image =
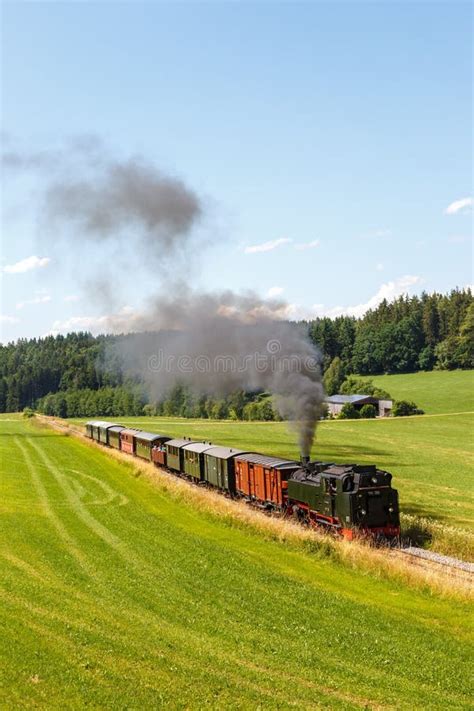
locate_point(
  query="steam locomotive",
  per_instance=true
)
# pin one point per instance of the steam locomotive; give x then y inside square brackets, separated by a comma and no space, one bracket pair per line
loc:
[348,499]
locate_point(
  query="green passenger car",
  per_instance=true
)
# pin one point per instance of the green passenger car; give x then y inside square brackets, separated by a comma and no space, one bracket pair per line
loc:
[103,429]
[193,459]
[174,453]
[97,429]
[219,467]
[113,435]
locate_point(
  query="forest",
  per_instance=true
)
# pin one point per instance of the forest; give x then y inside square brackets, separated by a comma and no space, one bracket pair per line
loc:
[66,375]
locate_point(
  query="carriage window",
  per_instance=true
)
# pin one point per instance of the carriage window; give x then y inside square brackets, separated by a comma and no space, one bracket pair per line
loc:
[330,486]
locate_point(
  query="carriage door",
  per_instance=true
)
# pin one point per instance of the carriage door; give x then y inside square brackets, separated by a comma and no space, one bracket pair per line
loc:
[251,480]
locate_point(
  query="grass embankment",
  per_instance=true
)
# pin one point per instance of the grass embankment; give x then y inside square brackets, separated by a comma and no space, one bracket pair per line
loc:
[116,593]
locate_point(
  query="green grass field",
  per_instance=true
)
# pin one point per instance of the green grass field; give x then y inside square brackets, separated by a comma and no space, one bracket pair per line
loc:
[117,594]
[435,392]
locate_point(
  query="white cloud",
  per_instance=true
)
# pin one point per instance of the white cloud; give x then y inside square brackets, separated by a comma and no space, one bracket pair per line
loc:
[8,319]
[26,265]
[116,323]
[40,299]
[80,323]
[72,297]
[389,291]
[379,267]
[462,204]
[275,291]
[308,245]
[267,246]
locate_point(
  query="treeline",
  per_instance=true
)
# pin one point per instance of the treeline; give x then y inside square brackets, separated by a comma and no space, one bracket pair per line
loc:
[32,368]
[104,402]
[403,336]
[123,401]
[409,334]
[238,406]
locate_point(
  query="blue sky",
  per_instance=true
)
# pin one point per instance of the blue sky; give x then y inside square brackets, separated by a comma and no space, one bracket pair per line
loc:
[328,141]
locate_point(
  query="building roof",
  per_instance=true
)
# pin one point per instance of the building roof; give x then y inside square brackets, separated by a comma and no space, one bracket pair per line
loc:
[150,436]
[342,399]
[266,461]
[223,452]
[197,446]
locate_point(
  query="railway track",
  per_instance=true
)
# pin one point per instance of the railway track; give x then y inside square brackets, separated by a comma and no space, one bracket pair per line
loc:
[430,560]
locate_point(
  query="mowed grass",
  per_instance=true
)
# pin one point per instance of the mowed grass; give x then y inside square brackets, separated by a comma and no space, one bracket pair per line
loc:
[438,391]
[430,457]
[116,594]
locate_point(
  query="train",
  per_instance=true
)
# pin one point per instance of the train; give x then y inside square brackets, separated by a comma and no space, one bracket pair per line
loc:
[350,500]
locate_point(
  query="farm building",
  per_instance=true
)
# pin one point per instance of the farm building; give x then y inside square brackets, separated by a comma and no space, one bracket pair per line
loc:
[335,403]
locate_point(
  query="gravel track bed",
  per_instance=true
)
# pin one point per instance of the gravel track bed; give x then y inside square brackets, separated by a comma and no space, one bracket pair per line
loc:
[441,559]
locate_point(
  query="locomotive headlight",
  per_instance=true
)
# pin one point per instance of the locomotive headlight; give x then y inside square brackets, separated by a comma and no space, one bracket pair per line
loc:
[374,480]
[363,512]
[390,509]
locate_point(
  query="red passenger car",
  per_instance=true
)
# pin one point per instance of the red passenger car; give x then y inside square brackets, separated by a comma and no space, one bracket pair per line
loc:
[262,478]
[158,455]
[127,441]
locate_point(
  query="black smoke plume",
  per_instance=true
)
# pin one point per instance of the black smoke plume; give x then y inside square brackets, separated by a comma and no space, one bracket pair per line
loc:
[88,193]
[218,343]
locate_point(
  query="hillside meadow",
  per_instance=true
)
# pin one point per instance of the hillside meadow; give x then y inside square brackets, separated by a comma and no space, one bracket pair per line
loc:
[117,593]
[437,391]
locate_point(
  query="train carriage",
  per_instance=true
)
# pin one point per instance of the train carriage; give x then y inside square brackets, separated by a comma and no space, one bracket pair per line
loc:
[219,468]
[174,453]
[158,454]
[193,459]
[127,441]
[90,429]
[97,430]
[262,478]
[113,436]
[145,441]
[103,431]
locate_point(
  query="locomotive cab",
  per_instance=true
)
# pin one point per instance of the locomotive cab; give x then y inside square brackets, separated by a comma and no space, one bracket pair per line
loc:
[345,498]
[374,504]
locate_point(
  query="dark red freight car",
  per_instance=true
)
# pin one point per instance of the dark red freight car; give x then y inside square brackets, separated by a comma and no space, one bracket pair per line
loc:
[262,478]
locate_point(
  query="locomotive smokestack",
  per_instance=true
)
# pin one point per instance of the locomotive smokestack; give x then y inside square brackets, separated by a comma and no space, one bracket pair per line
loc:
[304,461]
